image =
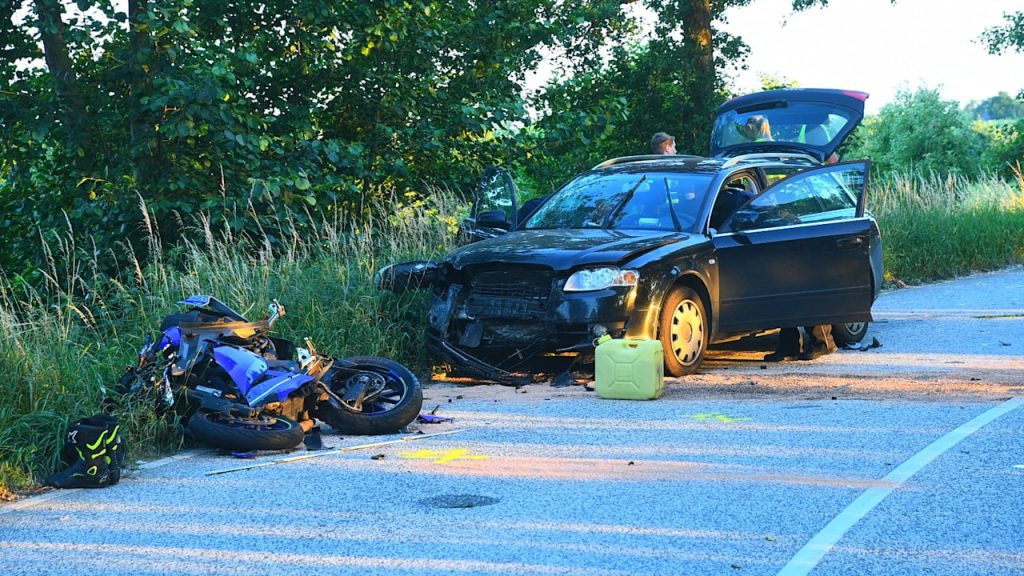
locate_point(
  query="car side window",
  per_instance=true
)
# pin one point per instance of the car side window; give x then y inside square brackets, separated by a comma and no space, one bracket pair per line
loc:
[822,195]
[735,192]
[773,174]
[495,195]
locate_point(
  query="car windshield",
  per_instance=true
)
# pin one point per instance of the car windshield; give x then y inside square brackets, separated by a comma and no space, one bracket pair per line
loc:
[625,200]
[796,123]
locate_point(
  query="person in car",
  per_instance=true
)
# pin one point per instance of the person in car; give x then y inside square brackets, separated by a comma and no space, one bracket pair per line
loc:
[757,129]
[662,143]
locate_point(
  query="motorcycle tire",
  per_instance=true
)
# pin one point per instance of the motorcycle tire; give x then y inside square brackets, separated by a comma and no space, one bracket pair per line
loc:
[241,434]
[403,400]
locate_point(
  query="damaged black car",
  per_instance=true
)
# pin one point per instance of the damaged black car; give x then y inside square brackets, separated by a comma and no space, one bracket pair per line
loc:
[689,250]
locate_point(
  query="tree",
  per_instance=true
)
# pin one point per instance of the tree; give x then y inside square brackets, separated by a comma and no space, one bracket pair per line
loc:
[920,132]
[1007,37]
[999,107]
[243,107]
[668,81]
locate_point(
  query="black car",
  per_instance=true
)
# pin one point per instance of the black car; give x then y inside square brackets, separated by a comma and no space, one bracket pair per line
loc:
[690,250]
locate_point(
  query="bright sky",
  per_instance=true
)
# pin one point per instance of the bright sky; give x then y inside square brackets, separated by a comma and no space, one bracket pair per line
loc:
[878,47]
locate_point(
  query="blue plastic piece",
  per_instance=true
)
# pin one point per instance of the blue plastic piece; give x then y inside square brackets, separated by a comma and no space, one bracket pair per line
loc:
[243,366]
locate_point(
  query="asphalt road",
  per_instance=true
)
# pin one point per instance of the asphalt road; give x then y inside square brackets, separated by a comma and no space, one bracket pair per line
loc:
[902,459]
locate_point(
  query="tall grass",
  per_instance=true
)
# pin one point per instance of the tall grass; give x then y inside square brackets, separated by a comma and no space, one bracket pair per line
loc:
[934,228]
[64,345]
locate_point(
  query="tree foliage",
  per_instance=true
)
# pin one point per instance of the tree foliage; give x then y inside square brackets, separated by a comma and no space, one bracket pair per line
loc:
[672,80]
[1006,37]
[238,106]
[919,131]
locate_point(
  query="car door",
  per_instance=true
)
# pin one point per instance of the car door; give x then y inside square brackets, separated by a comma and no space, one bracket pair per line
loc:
[799,253]
[495,206]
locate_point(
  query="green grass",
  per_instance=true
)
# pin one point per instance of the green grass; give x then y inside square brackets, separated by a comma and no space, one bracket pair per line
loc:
[934,228]
[62,345]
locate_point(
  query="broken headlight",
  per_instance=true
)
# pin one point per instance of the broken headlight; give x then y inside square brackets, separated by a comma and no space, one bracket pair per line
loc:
[600,278]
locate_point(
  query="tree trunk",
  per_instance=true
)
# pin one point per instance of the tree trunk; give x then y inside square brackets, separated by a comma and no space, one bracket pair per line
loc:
[140,125]
[58,62]
[704,83]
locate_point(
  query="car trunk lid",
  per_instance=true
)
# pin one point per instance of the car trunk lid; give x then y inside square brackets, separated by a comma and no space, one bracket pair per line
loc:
[809,121]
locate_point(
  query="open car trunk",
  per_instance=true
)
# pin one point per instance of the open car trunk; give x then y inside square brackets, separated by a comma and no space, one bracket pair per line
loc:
[807,121]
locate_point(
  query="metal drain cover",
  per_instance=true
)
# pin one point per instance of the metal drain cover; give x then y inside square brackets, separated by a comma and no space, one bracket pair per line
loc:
[459,501]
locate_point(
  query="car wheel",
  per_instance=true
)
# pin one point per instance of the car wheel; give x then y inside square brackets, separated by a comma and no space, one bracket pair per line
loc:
[850,333]
[683,331]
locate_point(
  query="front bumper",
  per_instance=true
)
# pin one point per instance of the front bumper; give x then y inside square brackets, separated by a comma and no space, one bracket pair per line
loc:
[490,327]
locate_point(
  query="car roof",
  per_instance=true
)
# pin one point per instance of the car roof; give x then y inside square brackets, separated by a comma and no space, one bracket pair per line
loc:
[701,164]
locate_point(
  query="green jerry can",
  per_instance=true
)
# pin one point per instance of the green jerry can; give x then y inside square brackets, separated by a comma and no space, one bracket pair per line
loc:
[629,369]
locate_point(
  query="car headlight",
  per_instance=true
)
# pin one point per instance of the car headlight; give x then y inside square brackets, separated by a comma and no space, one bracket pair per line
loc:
[600,278]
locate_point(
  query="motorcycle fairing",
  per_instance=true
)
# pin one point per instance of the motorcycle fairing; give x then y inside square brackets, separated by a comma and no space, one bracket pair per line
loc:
[243,366]
[282,384]
[171,337]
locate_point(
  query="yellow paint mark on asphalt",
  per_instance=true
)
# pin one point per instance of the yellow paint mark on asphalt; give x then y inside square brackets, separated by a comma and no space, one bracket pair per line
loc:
[717,416]
[443,456]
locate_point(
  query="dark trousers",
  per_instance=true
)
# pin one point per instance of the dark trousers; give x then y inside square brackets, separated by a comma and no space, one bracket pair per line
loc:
[806,340]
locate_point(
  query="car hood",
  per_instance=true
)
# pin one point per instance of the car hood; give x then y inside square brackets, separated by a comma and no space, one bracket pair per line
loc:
[564,249]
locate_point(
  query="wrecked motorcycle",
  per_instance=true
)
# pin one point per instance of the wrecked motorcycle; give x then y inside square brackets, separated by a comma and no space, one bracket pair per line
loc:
[239,388]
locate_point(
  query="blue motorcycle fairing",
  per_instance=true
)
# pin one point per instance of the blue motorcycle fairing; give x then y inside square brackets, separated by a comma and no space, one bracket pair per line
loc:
[282,384]
[171,336]
[243,366]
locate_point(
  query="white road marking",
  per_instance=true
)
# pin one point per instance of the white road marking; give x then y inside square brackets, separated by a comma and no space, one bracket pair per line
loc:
[811,554]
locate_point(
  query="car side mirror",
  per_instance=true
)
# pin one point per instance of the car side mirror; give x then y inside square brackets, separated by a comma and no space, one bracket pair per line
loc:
[493,219]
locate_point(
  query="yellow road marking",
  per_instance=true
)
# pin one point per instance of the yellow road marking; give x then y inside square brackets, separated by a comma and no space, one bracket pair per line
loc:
[717,416]
[443,456]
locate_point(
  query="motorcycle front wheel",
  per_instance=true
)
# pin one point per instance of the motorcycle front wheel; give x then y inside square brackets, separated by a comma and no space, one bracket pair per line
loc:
[265,432]
[393,408]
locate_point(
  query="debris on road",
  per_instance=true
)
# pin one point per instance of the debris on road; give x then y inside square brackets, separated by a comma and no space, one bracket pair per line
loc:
[863,347]
[432,419]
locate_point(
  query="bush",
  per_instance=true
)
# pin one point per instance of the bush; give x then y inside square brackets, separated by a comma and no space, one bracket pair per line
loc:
[1004,150]
[923,134]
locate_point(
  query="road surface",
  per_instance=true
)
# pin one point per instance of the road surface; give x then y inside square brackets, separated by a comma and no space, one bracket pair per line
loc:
[902,459]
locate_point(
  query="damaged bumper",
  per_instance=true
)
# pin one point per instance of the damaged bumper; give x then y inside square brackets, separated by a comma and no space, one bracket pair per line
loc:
[493,320]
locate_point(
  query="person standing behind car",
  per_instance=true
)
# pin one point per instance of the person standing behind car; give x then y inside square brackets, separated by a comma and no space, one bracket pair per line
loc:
[662,143]
[805,343]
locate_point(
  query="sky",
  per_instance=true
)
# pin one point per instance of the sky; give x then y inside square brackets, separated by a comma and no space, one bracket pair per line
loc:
[878,47]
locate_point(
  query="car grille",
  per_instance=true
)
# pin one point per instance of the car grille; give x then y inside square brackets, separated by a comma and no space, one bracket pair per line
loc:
[509,293]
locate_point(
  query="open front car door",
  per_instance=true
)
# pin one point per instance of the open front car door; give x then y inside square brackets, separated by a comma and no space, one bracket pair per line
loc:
[495,206]
[803,252]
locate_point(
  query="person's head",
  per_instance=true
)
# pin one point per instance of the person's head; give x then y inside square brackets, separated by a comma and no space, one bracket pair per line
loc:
[757,129]
[662,143]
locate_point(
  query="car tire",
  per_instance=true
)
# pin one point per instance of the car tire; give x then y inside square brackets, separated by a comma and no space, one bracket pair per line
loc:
[850,333]
[683,331]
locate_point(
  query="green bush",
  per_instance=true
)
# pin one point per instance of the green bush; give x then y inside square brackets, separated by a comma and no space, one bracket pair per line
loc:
[921,133]
[1004,146]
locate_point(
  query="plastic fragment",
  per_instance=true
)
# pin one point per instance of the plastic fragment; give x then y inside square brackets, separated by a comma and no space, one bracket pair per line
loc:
[432,419]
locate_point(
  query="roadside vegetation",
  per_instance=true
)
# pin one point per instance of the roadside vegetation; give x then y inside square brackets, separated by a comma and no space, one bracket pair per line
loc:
[65,344]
